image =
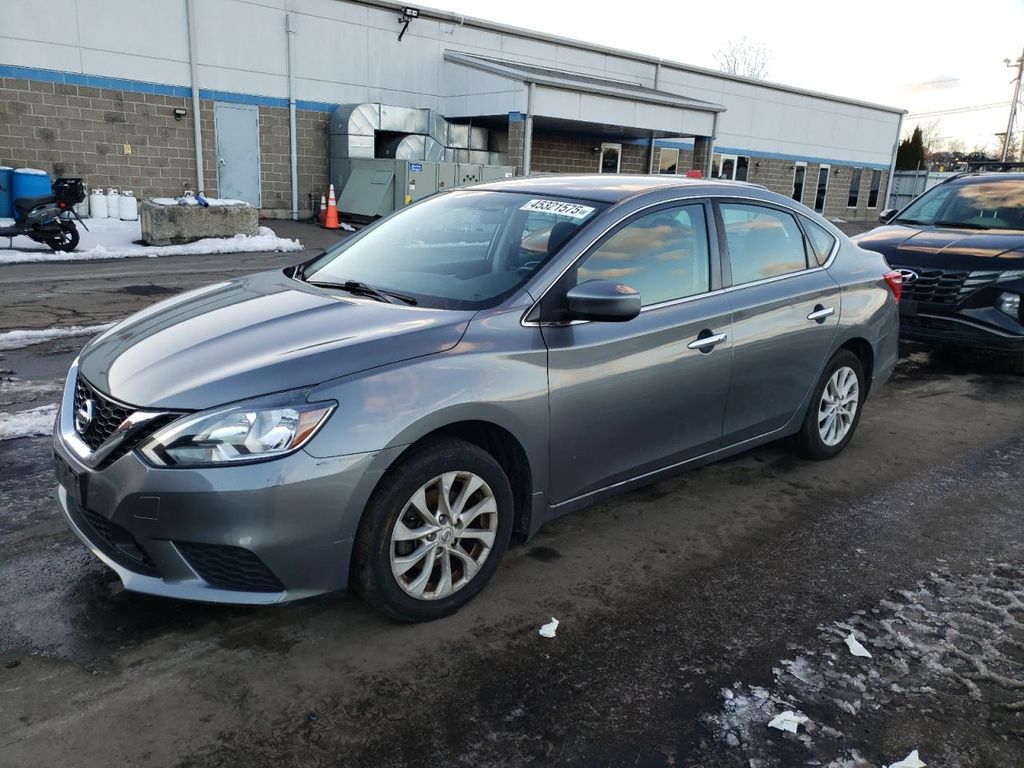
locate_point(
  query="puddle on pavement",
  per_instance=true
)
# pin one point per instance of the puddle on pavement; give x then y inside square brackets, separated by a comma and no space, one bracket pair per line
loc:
[64,603]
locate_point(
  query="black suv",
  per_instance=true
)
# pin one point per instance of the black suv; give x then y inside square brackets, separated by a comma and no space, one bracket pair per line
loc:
[960,249]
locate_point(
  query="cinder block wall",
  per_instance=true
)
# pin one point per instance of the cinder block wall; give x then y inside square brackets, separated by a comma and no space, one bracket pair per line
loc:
[777,175]
[73,130]
[275,162]
[556,153]
[76,130]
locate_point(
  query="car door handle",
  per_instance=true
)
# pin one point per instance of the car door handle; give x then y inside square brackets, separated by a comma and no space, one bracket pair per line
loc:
[820,313]
[707,342]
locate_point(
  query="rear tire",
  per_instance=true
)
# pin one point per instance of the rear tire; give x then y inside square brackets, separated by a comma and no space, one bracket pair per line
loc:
[419,557]
[834,410]
[66,240]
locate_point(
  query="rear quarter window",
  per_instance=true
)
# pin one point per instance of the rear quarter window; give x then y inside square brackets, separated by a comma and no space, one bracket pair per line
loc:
[822,241]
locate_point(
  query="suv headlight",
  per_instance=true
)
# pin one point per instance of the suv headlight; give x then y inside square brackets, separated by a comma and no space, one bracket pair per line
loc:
[257,430]
[1009,304]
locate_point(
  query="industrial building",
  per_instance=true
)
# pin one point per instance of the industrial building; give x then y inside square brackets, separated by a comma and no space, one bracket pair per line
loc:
[270,100]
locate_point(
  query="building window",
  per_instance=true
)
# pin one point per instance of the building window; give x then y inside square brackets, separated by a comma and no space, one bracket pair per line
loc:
[799,174]
[763,242]
[822,188]
[876,182]
[732,167]
[663,255]
[854,196]
[611,158]
[668,161]
[742,164]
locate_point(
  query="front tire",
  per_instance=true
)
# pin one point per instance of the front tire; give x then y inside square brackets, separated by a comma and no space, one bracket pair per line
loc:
[434,531]
[834,410]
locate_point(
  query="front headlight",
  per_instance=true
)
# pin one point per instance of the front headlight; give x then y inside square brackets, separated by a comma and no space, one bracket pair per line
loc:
[1009,304]
[254,431]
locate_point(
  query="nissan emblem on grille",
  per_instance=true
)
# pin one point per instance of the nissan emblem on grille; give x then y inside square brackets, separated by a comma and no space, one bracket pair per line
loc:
[84,416]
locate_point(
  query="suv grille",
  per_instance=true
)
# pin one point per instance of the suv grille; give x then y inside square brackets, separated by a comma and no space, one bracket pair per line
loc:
[230,567]
[118,543]
[107,415]
[939,286]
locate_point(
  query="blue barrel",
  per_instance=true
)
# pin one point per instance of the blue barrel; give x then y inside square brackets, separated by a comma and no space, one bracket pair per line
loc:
[6,211]
[29,182]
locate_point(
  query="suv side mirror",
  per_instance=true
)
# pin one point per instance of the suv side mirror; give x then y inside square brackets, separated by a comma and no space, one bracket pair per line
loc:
[603,300]
[887,215]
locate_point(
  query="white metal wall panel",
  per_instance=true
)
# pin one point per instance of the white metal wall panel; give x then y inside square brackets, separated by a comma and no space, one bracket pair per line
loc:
[348,52]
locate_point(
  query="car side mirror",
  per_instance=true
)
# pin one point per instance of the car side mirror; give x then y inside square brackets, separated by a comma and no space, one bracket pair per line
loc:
[888,215]
[603,300]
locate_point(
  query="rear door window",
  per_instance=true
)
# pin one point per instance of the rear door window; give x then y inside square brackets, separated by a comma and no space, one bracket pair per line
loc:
[762,242]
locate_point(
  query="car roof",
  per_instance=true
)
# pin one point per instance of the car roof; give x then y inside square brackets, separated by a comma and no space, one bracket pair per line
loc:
[608,187]
[979,177]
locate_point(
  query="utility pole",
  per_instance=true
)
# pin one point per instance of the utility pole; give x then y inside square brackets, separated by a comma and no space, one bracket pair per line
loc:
[1019,64]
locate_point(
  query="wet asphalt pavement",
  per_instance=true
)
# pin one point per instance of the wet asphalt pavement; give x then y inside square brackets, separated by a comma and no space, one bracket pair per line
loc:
[692,612]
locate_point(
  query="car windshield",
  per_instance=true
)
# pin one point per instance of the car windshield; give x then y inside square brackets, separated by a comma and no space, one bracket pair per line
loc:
[997,204]
[466,249]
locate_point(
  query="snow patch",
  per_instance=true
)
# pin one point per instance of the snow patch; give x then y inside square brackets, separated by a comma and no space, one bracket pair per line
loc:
[35,421]
[116,239]
[18,338]
[213,202]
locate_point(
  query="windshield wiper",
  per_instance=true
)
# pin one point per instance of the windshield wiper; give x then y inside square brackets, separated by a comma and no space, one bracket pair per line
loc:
[909,221]
[362,289]
[960,225]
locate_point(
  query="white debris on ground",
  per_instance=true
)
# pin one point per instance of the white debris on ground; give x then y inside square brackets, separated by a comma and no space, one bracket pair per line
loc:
[116,239]
[17,339]
[788,721]
[856,648]
[910,761]
[35,421]
[951,644]
[549,629]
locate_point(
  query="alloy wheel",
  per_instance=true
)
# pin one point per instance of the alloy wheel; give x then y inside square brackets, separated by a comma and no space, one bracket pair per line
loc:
[838,406]
[443,536]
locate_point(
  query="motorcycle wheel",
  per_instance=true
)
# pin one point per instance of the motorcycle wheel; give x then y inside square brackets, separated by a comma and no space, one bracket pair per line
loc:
[66,240]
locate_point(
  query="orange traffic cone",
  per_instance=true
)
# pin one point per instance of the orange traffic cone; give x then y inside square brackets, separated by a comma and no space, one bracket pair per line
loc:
[331,217]
[323,208]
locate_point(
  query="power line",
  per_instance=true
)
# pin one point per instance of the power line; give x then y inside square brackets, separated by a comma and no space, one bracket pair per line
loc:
[956,110]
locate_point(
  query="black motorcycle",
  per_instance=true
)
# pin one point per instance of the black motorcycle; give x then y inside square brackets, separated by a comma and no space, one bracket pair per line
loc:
[49,219]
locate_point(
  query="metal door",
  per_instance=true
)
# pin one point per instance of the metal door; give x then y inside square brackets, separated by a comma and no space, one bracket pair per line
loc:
[238,151]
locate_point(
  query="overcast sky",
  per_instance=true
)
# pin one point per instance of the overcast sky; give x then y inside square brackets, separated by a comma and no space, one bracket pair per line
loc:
[922,56]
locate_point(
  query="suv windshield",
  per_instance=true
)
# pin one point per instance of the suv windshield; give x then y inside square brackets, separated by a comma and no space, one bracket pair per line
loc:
[997,204]
[459,250]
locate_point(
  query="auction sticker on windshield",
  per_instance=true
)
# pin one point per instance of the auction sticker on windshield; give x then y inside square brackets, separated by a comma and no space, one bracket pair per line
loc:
[572,210]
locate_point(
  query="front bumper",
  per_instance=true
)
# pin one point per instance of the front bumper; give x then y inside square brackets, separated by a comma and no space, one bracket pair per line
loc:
[957,330]
[262,533]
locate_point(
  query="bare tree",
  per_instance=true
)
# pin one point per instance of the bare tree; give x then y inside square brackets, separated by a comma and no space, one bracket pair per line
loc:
[747,58]
[931,135]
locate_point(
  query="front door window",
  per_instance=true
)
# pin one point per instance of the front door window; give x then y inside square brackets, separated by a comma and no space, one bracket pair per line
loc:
[611,158]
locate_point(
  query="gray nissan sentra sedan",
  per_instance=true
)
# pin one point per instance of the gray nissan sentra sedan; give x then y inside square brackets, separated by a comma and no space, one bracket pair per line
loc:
[389,415]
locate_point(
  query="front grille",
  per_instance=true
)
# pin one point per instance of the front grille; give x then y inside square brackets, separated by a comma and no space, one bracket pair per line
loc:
[230,567]
[107,415]
[939,286]
[118,543]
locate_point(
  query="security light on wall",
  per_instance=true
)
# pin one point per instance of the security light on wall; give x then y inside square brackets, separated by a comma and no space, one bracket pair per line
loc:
[180,112]
[408,14]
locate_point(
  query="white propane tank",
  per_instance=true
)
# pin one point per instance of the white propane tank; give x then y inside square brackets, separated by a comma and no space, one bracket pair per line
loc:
[98,204]
[129,206]
[113,203]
